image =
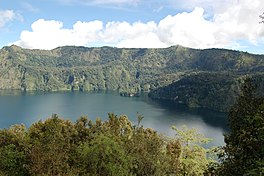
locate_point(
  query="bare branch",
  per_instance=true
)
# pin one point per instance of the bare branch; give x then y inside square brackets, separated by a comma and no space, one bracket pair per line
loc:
[261,18]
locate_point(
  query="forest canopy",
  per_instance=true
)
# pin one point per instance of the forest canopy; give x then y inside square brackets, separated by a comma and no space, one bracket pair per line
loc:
[112,147]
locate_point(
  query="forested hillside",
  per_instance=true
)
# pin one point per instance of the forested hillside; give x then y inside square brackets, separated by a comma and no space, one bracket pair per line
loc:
[217,91]
[132,70]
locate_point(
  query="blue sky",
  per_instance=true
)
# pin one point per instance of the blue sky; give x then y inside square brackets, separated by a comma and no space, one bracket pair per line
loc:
[47,24]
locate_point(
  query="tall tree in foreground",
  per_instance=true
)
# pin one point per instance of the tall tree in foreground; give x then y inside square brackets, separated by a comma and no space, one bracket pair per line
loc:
[193,160]
[12,151]
[244,150]
[50,144]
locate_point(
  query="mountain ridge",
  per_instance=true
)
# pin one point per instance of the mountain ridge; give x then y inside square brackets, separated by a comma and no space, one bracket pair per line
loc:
[127,70]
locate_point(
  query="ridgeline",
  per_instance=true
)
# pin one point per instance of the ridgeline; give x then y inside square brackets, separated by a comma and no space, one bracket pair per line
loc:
[198,78]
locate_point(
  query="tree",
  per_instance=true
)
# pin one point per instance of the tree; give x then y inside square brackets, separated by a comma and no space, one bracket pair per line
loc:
[148,150]
[193,159]
[145,147]
[111,147]
[244,150]
[12,151]
[117,147]
[104,156]
[50,145]
[173,149]
[12,161]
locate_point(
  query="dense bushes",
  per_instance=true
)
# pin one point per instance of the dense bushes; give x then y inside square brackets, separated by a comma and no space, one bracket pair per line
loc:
[112,147]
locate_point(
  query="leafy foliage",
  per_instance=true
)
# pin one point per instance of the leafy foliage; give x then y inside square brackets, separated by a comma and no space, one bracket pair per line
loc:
[50,145]
[12,160]
[13,151]
[112,147]
[244,150]
[104,156]
[193,159]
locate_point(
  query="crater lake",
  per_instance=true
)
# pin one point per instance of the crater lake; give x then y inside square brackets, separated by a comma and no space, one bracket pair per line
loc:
[18,107]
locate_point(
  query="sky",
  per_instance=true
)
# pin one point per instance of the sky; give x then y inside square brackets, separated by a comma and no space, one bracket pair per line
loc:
[47,24]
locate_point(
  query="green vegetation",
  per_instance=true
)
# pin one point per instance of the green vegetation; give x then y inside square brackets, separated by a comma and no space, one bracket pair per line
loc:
[112,147]
[117,147]
[217,91]
[207,90]
[193,159]
[244,150]
[202,72]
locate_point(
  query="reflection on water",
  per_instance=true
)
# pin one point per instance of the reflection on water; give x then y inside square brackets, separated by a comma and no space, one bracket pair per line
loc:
[18,107]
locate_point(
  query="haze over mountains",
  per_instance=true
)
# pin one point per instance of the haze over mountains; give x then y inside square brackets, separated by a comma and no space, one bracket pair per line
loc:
[198,78]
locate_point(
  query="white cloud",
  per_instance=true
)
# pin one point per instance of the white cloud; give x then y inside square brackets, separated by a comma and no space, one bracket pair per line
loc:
[51,34]
[148,40]
[238,21]
[188,29]
[6,16]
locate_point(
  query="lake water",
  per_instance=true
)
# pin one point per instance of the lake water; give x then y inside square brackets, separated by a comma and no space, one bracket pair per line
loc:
[17,107]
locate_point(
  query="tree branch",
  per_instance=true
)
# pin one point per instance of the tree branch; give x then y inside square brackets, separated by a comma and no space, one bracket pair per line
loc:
[261,18]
